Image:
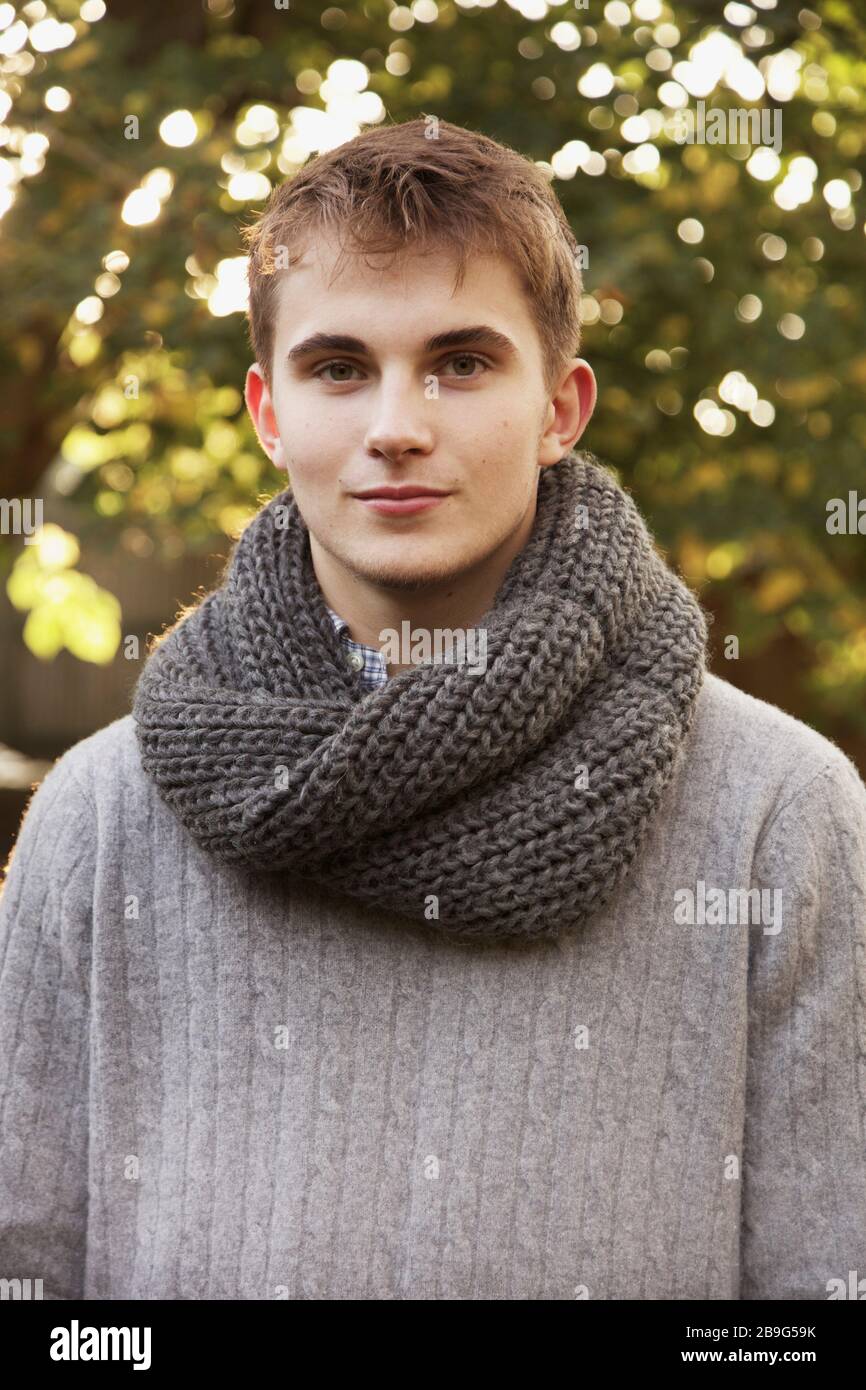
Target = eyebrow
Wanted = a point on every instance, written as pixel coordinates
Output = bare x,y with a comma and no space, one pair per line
476,335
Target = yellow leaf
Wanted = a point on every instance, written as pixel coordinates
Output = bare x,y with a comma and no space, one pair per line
42,634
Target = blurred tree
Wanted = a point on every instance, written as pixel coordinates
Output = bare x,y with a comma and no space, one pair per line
725,284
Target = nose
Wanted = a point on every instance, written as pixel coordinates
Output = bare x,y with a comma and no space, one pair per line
400,421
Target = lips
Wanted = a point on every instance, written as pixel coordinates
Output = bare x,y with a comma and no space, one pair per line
386,504
405,490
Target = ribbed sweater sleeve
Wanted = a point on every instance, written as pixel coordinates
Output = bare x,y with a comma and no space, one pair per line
804,1168
45,946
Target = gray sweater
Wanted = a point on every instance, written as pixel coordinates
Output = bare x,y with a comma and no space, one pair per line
221,1084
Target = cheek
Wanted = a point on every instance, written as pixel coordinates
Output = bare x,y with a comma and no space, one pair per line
317,423
504,416
303,430
506,438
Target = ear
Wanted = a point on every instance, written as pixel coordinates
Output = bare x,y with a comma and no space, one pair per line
261,408
568,412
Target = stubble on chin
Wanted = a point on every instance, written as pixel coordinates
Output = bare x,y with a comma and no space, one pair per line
397,577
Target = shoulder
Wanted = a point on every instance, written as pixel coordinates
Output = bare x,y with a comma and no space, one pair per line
59,833
97,776
758,750
101,763
94,799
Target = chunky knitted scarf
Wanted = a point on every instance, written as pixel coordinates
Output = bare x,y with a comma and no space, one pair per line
503,803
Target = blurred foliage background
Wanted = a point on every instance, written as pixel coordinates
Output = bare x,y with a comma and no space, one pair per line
724,306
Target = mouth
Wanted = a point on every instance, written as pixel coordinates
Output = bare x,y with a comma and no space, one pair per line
400,501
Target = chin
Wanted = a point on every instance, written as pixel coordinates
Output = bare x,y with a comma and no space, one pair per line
411,577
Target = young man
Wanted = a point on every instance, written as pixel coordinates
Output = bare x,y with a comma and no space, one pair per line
525,966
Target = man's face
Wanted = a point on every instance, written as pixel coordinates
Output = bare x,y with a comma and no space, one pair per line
471,419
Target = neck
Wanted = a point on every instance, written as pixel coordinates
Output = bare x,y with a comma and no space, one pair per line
456,601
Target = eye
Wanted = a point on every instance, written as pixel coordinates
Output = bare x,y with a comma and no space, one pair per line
327,366
468,357
462,359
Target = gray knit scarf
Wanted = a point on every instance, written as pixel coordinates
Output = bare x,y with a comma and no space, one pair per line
495,804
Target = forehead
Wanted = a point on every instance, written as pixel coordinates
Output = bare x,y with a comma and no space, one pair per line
415,290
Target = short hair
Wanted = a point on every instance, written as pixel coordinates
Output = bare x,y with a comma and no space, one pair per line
424,184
